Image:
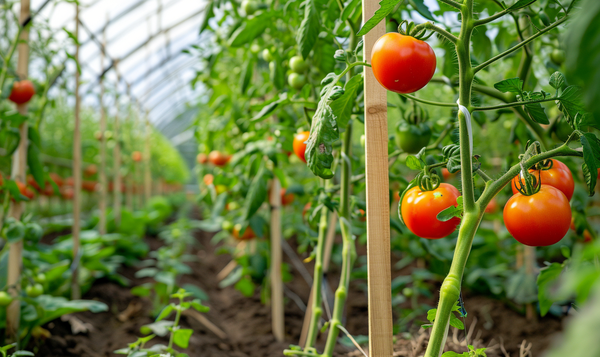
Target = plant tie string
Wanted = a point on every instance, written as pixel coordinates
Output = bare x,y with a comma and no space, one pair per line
467,115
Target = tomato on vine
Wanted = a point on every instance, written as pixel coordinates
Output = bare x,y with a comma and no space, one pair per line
555,174
136,156
493,206
218,158
202,158
22,92
402,64
296,81
5,298
300,144
248,233
420,209
34,290
298,64
540,219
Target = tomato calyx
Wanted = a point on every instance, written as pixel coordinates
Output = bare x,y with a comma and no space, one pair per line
527,184
417,31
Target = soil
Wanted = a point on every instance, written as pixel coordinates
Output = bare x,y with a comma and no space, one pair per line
247,322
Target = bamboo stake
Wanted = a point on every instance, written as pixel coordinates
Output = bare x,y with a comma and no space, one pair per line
103,196
378,221
75,291
147,173
277,313
529,270
19,166
326,259
117,197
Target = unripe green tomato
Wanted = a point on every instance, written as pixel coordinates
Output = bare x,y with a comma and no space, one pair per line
362,140
227,226
40,278
408,292
249,6
176,232
557,56
255,48
412,138
267,56
298,64
232,206
5,298
272,66
296,81
34,290
108,134
145,330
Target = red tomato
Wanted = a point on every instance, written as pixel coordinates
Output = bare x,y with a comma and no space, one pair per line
57,179
33,183
493,206
90,170
305,209
396,195
538,220
248,233
208,179
25,191
420,209
202,158
286,199
558,176
587,236
218,158
89,186
401,63
300,144
67,192
136,156
446,174
22,92
362,216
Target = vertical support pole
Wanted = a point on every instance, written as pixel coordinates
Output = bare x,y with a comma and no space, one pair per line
117,158
102,174
378,215
530,263
277,313
147,173
75,291
19,166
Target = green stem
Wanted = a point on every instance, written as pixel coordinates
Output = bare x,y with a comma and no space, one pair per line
348,250
483,175
521,44
9,56
513,104
430,102
175,324
317,300
452,3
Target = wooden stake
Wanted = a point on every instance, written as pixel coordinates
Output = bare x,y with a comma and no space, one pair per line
530,263
277,313
117,197
75,291
378,215
19,166
326,259
102,173
147,173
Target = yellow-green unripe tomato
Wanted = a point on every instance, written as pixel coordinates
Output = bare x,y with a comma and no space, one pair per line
557,56
267,56
408,292
34,290
296,81
249,6
298,64
227,226
255,48
5,298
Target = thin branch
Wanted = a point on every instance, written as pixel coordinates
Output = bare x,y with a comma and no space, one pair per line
425,101
447,35
483,175
516,47
513,104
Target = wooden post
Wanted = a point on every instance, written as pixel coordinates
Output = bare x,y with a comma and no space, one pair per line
378,215
75,291
147,173
530,263
19,166
102,173
277,313
117,158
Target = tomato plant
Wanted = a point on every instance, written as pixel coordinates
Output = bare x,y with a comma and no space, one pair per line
22,92
218,158
555,174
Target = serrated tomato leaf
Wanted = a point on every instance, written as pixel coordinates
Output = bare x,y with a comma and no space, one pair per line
342,107
385,7
309,29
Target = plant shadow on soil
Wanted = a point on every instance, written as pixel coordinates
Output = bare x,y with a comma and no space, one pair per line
247,322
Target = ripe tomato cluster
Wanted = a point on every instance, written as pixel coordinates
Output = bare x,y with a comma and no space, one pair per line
543,218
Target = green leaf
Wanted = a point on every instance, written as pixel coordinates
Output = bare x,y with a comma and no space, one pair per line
181,337
269,108
245,286
513,85
166,311
14,191
35,164
591,158
160,328
199,307
309,29
13,231
413,163
537,113
256,195
342,107
547,275
456,322
521,4
451,211
454,354
385,8
570,102
422,9
247,75
557,80
209,14
250,29
431,315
